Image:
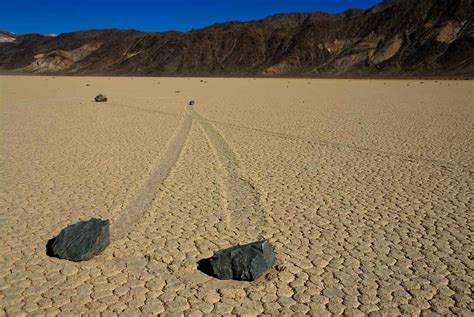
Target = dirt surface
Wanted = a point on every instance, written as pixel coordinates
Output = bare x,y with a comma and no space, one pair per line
364,188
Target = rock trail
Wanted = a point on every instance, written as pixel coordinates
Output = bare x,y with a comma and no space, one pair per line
140,201
405,157
244,214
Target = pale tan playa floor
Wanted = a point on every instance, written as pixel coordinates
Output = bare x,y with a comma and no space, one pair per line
363,187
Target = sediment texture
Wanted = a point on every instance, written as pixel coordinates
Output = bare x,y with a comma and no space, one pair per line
363,187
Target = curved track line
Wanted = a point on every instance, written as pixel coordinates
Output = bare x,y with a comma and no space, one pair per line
244,214
338,145
138,203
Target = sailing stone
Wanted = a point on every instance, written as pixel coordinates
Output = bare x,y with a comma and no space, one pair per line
243,262
82,241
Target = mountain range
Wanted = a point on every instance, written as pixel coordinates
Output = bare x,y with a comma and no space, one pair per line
397,38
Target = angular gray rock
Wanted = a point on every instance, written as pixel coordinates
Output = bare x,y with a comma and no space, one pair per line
100,98
82,241
243,262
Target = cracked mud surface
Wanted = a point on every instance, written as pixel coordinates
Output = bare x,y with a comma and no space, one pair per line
363,188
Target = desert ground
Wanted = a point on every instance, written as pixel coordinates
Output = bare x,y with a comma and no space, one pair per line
363,187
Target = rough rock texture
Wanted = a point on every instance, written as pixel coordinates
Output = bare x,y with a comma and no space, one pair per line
100,98
395,38
243,262
82,241
58,60
6,37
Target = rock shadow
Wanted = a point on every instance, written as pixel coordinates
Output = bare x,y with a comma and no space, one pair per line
49,248
204,265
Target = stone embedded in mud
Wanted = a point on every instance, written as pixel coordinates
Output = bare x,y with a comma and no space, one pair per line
82,241
243,262
100,98
191,103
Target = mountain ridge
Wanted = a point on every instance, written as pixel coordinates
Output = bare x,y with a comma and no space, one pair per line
401,38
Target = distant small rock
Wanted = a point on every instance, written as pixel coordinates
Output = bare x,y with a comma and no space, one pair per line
243,262
100,98
177,91
191,103
82,241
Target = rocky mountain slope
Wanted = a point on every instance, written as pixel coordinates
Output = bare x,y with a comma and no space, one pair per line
6,37
395,38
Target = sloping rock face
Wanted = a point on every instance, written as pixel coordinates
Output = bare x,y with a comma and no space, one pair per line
59,60
243,262
395,38
82,241
6,37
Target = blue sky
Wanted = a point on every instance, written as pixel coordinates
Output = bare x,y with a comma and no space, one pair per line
59,16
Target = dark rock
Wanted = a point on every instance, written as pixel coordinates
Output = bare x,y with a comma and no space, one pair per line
243,262
100,98
81,241
191,103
